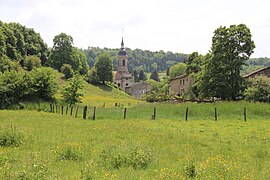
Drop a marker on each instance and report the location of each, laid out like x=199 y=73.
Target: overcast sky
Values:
x=182 y=26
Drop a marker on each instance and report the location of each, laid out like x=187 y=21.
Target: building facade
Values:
x=122 y=77
x=180 y=84
x=139 y=89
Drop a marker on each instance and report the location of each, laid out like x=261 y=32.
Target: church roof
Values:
x=122 y=51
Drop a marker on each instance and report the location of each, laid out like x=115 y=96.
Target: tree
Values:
x=103 y=65
x=177 y=70
x=194 y=63
x=92 y=76
x=62 y=51
x=135 y=76
x=231 y=48
x=32 y=62
x=67 y=70
x=42 y=83
x=154 y=76
x=142 y=76
x=71 y=92
x=258 y=89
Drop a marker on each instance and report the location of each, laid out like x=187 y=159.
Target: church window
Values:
x=126 y=84
x=124 y=62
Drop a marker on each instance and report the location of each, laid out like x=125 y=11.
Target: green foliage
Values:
x=259 y=89
x=142 y=76
x=139 y=59
x=10 y=138
x=17 y=41
x=177 y=70
x=42 y=83
x=231 y=48
x=32 y=62
x=135 y=157
x=135 y=76
x=67 y=70
x=103 y=66
x=71 y=91
x=7 y=64
x=195 y=63
x=63 y=52
x=70 y=154
x=12 y=88
x=92 y=76
x=154 y=76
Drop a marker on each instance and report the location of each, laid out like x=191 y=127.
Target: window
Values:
x=124 y=62
x=118 y=84
x=126 y=84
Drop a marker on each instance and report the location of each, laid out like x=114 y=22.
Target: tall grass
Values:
x=61 y=147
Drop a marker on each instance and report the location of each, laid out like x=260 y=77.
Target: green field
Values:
x=55 y=146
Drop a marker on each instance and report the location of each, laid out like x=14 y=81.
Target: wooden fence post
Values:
x=215 y=114
x=84 y=112
x=71 y=110
x=94 y=114
x=245 y=114
x=76 y=114
x=62 y=110
x=154 y=115
x=51 y=107
x=66 y=110
x=125 y=113
x=186 y=113
x=56 y=108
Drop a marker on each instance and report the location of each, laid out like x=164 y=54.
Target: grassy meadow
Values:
x=43 y=145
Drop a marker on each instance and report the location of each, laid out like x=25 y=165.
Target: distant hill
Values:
x=139 y=59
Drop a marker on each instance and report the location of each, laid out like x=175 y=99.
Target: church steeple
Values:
x=122 y=43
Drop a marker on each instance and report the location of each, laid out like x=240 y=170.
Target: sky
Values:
x=182 y=26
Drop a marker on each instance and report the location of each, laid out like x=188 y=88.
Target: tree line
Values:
x=145 y=60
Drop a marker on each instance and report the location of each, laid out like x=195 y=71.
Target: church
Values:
x=123 y=78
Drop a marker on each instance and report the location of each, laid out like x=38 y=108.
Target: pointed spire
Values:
x=122 y=43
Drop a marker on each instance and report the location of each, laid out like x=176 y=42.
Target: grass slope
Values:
x=61 y=147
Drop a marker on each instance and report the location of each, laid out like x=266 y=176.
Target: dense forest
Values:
x=139 y=59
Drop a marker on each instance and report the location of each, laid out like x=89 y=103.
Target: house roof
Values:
x=179 y=77
x=255 y=72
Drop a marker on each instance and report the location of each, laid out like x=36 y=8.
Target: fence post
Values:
x=245 y=114
x=125 y=113
x=51 y=107
x=84 y=112
x=66 y=110
x=94 y=114
x=154 y=115
x=71 y=110
x=215 y=114
x=56 y=108
x=76 y=112
x=62 y=110
x=186 y=113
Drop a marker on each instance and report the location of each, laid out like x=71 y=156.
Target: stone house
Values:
x=180 y=84
x=264 y=71
x=138 y=89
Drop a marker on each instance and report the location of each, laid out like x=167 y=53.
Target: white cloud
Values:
x=172 y=25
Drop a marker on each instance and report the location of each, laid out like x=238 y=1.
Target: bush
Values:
x=67 y=70
x=92 y=76
x=259 y=89
x=70 y=154
x=117 y=158
x=43 y=83
x=32 y=62
x=10 y=138
x=12 y=88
